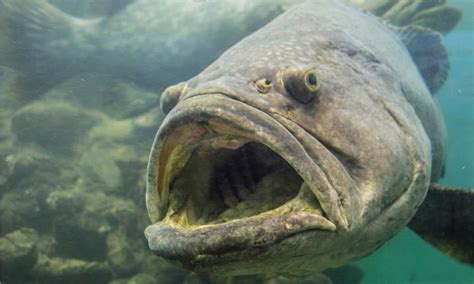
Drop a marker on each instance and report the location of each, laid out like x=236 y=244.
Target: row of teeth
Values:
x=305 y=201
x=237 y=190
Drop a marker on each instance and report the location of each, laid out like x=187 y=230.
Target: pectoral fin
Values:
x=446 y=220
x=428 y=53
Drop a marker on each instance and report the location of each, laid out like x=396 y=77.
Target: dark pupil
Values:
x=312 y=79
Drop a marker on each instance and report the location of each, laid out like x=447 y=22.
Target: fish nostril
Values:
x=263 y=85
x=170 y=97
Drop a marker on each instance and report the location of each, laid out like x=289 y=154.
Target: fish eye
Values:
x=312 y=81
x=301 y=84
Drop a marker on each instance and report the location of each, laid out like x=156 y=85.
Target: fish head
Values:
x=277 y=159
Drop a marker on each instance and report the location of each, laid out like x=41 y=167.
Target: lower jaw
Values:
x=236 y=238
x=207 y=245
x=187 y=233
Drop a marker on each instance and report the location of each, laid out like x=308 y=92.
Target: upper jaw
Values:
x=183 y=129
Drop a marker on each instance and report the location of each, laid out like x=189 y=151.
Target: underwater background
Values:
x=72 y=176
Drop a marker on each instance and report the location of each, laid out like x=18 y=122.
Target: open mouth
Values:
x=223 y=181
x=220 y=184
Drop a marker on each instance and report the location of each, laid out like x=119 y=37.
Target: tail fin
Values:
x=39 y=39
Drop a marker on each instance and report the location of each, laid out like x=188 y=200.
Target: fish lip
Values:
x=261 y=127
x=190 y=246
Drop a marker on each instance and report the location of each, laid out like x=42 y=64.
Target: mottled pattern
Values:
x=363 y=146
x=326 y=43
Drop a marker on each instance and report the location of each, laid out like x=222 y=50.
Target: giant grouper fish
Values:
x=305 y=146
x=147 y=42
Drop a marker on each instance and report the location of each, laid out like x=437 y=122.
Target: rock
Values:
x=194 y=278
x=140 y=278
x=78 y=233
x=75 y=241
x=83 y=218
x=95 y=91
x=124 y=258
x=18 y=245
x=53 y=125
x=20 y=209
x=114 y=167
x=69 y=270
x=163 y=271
x=134 y=181
x=46 y=244
x=18 y=253
x=33 y=166
x=99 y=170
x=117 y=211
x=136 y=132
x=66 y=202
x=112 y=131
x=32 y=174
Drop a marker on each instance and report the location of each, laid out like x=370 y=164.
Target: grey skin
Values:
x=366 y=145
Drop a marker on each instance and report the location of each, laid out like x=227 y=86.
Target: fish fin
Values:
x=442 y=19
x=445 y=219
x=376 y=7
x=428 y=52
x=435 y=14
x=41 y=40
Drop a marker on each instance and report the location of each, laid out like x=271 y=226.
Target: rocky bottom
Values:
x=72 y=186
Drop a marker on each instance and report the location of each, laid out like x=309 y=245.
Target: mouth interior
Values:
x=229 y=178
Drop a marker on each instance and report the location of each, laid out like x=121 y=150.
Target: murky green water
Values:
x=73 y=154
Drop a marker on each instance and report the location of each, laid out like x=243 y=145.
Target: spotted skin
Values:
x=367 y=147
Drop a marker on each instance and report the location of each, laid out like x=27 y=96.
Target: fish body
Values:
x=152 y=43
x=146 y=42
x=336 y=95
